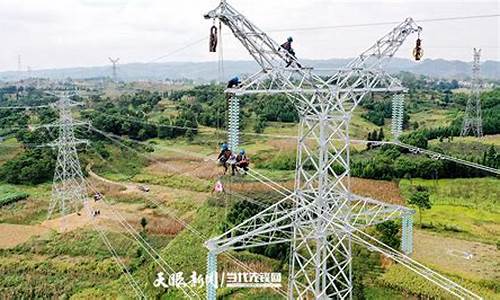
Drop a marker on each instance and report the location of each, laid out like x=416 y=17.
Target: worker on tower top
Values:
x=234 y=82
x=288 y=46
x=291 y=53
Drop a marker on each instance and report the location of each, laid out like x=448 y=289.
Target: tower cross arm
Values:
x=266 y=52
x=385 y=47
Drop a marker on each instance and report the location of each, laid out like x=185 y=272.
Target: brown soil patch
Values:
x=284 y=144
x=12 y=235
x=255 y=186
x=386 y=191
x=204 y=169
x=451 y=255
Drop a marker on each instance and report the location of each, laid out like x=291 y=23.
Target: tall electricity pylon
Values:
x=69 y=189
x=473 y=122
x=114 y=62
x=321 y=218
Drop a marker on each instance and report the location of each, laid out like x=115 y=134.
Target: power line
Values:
x=177 y=50
x=202 y=39
x=115 y=138
x=384 y=23
x=356 y=141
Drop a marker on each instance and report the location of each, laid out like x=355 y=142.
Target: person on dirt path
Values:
x=224 y=156
x=234 y=82
x=97 y=196
x=241 y=162
x=288 y=47
x=218 y=187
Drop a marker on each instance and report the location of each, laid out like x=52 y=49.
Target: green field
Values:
x=466 y=208
x=31 y=210
x=9 y=149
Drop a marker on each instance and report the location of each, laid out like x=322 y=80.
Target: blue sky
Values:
x=68 y=33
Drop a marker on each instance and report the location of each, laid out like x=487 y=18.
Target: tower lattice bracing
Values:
x=397 y=115
x=69 y=190
x=321 y=218
x=473 y=123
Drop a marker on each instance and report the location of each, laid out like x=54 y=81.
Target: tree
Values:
x=144 y=222
x=381 y=135
x=260 y=125
x=421 y=199
x=388 y=233
x=490 y=157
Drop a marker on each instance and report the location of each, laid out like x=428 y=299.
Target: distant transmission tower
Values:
x=114 y=62
x=68 y=189
x=473 y=122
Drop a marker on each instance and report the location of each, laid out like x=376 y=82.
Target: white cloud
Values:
x=62 y=33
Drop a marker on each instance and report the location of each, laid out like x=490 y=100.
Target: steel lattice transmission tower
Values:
x=473 y=122
x=69 y=189
x=321 y=218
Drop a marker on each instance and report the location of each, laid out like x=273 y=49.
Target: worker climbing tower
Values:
x=68 y=190
x=473 y=123
x=321 y=218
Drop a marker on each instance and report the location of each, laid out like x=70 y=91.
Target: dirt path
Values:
x=12 y=235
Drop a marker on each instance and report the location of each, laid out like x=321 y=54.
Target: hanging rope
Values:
x=213 y=39
x=221 y=54
x=220 y=70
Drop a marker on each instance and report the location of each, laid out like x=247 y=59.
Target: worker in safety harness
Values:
x=288 y=47
x=241 y=162
x=224 y=156
x=234 y=82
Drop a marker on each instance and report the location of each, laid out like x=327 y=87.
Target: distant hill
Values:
x=207 y=71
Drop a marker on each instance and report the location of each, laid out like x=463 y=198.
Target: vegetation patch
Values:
x=465 y=208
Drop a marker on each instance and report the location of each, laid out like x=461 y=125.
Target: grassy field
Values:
x=468 y=146
x=358 y=128
x=398 y=278
x=9 y=149
x=432 y=118
x=31 y=210
x=466 y=208
x=64 y=264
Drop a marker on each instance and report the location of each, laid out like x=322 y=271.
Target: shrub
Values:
x=13 y=197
